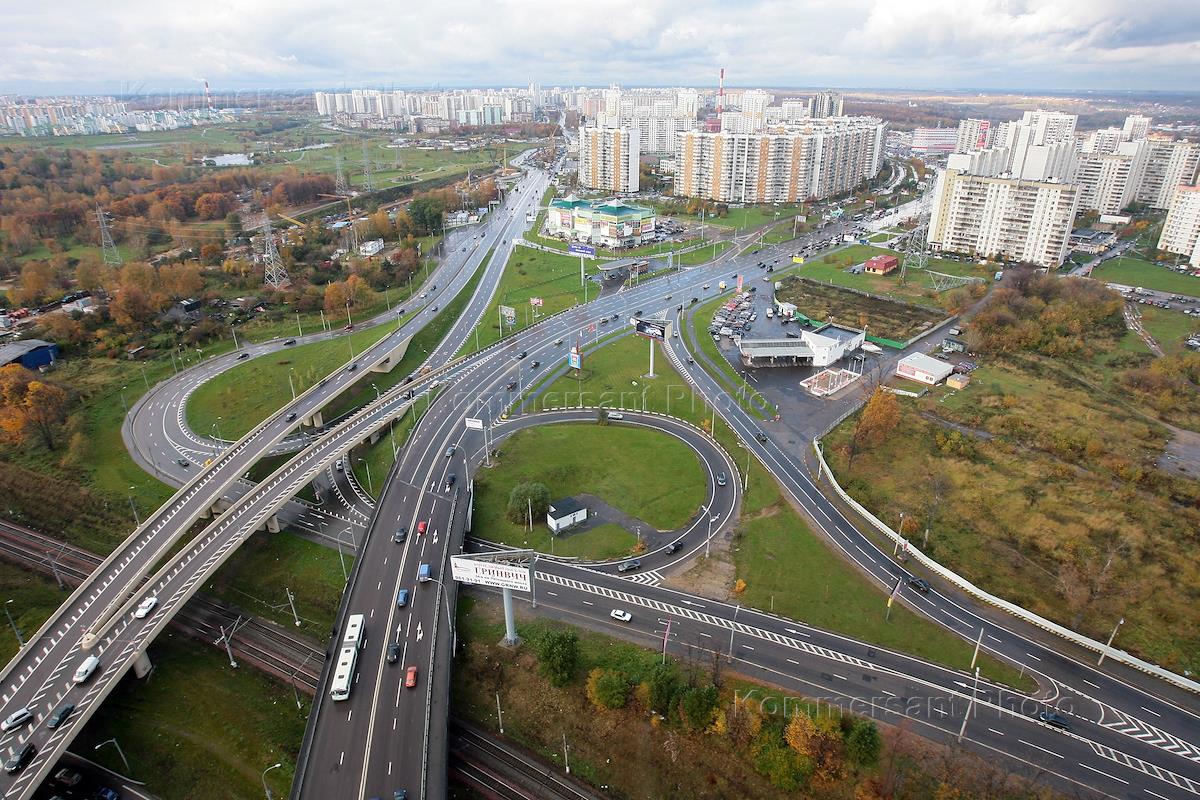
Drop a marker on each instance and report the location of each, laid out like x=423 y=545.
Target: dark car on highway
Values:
x=1054 y=719
x=920 y=584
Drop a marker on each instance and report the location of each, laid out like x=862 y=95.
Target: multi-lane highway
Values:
x=1127 y=739
x=99 y=615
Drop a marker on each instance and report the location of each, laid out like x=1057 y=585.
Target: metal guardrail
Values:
x=1004 y=605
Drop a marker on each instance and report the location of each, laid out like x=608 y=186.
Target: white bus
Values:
x=343 y=674
x=355 y=636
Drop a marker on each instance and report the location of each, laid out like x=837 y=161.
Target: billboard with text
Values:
x=490 y=573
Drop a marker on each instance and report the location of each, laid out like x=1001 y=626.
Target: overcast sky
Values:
x=156 y=45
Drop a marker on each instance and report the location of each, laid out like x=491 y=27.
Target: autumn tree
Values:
x=875 y=423
x=607 y=688
x=215 y=205
x=29 y=406
x=90 y=274
x=39 y=280
x=182 y=280
x=131 y=308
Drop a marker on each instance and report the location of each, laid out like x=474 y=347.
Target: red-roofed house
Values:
x=881 y=265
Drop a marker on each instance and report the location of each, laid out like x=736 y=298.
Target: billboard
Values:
x=490 y=573
x=741 y=279
x=797 y=259
x=474 y=423
x=582 y=250
x=509 y=313
x=535 y=301
x=652 y=328
x=575 y=358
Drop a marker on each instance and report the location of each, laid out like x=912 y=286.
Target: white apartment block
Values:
x=1021 y=220
x=608 y=159
x=1181 y=230
x=934 y=140
x=1168 y=165
x=1050 y=126
x=825 y=104
x=973 y=135
x=818 y=159
x=1136 y=127
x=1108 y=181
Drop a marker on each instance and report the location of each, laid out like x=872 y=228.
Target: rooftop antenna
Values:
x=721 y=94
x=274 y=275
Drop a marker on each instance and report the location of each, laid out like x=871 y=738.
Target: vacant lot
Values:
x=1137 y=272
x=916 y=287
x=879 y=316
x=1043 y=489
x=647 y=474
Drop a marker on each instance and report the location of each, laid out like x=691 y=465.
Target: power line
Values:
x=368 y=181
x=340 y=185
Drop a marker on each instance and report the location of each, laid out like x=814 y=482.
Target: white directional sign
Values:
x=490 y=573
x=474 y=424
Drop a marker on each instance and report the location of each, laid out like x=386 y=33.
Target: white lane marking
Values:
x=1089 y=683
x=1105 y=774
x=1155 y=713
x=1039 y=747
x=993 y=730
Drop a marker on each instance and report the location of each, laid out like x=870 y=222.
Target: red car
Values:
x=421 y=526
x=410 y=679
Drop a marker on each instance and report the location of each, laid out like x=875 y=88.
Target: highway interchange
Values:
x=1128 y=741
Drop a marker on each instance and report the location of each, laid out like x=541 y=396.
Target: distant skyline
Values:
x=141 y=46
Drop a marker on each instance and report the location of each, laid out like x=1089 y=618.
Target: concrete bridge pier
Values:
x=142 y=665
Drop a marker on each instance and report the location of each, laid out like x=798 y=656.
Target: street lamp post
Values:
x=370 y=483
x=133 y=507
x=267 y=789
x=1103 y=652
x=291 y=384
x=113 y=741
x=16 y=631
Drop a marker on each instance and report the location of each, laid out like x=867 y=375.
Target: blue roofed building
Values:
x=29 y=353
x=605 y=223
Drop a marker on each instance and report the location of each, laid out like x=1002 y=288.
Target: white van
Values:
x=85 y=670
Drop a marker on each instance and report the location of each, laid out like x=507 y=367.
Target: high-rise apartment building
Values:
x=818 y=159
x=1136 y=127
x=973 y=135
x=1108 y=181
x=608 y=159
x=1181 y=230
x=1168 y=165
x=825 y=104
x=1016 y=219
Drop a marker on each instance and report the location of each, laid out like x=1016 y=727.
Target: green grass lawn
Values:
x=657 y=248
x=1169 y=328
x=1137 y=272
x=254 y=579
x=694 y=258
x=646 y=474
x=832 y=269
x=241 y=397
x=531 y=273
x=422 y=344
x=775 y=544
x=743 y=218
x=197 y=727
x=34 y=598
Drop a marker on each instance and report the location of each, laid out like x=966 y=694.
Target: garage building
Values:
x=564 y=513
x=29 y=353
x=923 y=368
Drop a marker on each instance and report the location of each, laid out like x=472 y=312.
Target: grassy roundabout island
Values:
x=642 y=473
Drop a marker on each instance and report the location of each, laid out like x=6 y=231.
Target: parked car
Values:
x=67 y=777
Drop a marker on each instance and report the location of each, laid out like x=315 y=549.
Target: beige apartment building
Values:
x=1181 y=230
x=608 y=159
x=788 y=164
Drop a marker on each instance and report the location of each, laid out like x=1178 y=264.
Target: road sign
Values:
x=582 y=250
x=490 y=573
x=474 y=424
x=652 y=328
x=509 y=313
x=575 y=358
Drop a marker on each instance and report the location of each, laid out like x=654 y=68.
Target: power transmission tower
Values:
x=341 y=187
x=112 y=256
x=915 y=254
x=368 y=181
x=274 y=275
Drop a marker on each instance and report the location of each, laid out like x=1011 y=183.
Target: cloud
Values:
x=1031 y=44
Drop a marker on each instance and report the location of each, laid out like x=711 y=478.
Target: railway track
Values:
x=477 y=756
x=492 y=768
x=261 y=644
